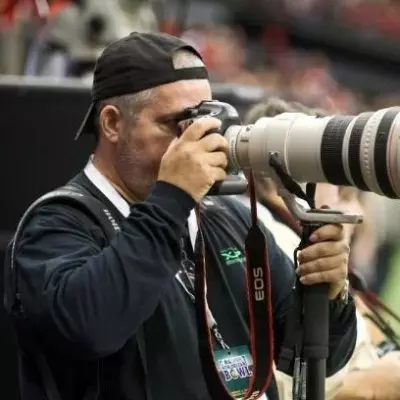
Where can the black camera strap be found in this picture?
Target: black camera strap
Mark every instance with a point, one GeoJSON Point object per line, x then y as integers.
{"type": "Point", "coordinates": [260, 311]}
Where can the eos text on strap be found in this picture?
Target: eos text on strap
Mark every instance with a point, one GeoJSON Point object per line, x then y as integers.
{"type": "Point", "coordinates": [237, 372]}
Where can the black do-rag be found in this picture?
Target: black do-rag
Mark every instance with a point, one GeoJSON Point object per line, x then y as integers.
{"type": "Point", "coordinates": [134, 63]}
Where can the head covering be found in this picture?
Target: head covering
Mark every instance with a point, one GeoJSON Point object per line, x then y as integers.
{"type": "Point", "coordinates": [134, 63]}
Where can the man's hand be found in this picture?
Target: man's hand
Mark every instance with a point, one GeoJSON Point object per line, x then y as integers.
{"type": "Point", "coordinates": [379, 382]}
{"type": "Point", "coordinates": [326, 260]}
{"type": "Point", "coordinates": [385, 376]}
{"type": "Point", "coordinates": [194, 162]}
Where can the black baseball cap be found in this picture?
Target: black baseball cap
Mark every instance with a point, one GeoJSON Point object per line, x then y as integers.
{"type": "Point", "coordinates": [134, 63]}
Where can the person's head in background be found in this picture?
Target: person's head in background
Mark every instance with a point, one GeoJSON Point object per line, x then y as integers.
{"type": "Point", "coordinates": [343, 198]}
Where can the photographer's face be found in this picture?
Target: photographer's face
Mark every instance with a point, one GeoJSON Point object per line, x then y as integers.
{"type": "Point", "coordinates": [143, 142]}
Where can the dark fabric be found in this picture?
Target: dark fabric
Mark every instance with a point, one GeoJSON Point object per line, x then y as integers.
{"type": "Point", "coordinates": [85, 304]}
{"type": "Point", "coordinates": [134, 63]}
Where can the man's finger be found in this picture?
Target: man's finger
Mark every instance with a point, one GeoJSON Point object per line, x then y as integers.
{"type": "Point", "coordinates": [323, 249]}
{"type": "Point", "coordinates": [338, 262]}
{"type": "Point", "coordinates": [334, 276]}
{"type": "Point", "coordinates": [198, 128]}
{"type": "Point", "coordinates": [328, 232]}
{"type": "Point", "coordinates": [216, 159]}
{"type": "Point", "coordinates": [219, 174]}
{"type": "Point", "coordinates": [213, 142]}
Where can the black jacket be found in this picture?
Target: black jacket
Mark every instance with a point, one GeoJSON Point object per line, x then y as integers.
{"type": "Point", "coordinates": [85, 303]}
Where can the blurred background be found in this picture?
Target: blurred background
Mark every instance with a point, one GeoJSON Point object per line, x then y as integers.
{"type": "Point", "coordinates": [339, 55]}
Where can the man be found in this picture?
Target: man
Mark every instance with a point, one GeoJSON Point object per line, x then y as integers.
{"type": "Point", "coordinates": [365, 376]}
{"type": "Point", "coordinates": [86, 302]}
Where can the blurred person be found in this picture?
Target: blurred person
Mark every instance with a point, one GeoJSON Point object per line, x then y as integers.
{"type": "Point", "coordinates": [86, 303]}
{"type": "Point", "coordinates": [384, 261]}
{"type": "Point", "coordinates": [226, 57]}
{"type": "Point", "coordinates": [365, 376]}
{"type": "Point", "coordinates": [75, 35]}
{"type": "Point", "coordinates": [312, 83]}
{"type": "Point", "coordinates": [11, 10]}
{"type": "Point", "coordinates": [18, 19]}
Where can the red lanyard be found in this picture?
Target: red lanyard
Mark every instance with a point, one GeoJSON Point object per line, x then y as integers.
{"type": "Point", "coordinates": [260, 311]}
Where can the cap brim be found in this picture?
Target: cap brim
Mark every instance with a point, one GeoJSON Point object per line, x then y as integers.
{"type": "Point", "coordinates": [87, 125]}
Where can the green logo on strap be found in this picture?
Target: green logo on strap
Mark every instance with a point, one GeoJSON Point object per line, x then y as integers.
{"type": "Point", "coordinates": [232, 255]}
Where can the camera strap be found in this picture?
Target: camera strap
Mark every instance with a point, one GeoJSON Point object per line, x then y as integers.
{"type": "Point", "coordinates": [260, 312]}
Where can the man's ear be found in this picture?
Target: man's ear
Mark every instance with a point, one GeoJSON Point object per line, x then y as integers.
{"type": "Point", "coordinates": [111, 123]}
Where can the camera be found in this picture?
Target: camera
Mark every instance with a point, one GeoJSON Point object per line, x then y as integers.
{"type": "Point", "coordinates": [361, 151]}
